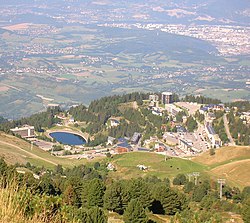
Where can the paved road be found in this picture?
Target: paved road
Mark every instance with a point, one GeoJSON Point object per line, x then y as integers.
{"type": "Point", "coordinates": [31, 154]}
{"type": "Point", "coordinates": [232, 143]}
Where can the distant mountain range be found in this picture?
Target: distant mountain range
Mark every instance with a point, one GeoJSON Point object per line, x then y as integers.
{"type": "Point", "coordinates": [172, 11]}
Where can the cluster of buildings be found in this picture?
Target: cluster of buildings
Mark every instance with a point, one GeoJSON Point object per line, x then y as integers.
{"type": "Point", "coordinates": [212, 107]}
{"type": "Point", "coordinates": [189, 143]}
{"type": "Point", "coordinates": [229, 40]}
{"type": "Point", "coordinates": [245, 116]}
{"type": "Point", "coordinates": [213, 137]}
{"type": "Point", "coordinates": [125, 144]}
{"type": "Point", "coordinates": [204, 138]}
{"type": "Point", "coordinates": [167, 104]}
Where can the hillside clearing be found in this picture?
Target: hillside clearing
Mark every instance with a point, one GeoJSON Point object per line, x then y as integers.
{"type": "Point", "coordinates": [236, 172]}
{"type": "Point", "coordinates": [15, 150]}
{"type": "Point", "coordinates": [127, 165]}
{"type": "Point", "coordinates": [224, 155]}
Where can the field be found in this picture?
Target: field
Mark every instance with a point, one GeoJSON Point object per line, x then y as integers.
{"type": "Point", "coordinates": [127, 165]}
{"type": "Point", "coordinates": [227, 95]}
{"type": "Point", "coordinates": [231, 163]}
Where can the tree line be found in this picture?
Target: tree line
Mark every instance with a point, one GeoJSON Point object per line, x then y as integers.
{"type": "Point", "coordinates": [200, 99]}
{"type": "Point", "coordinates": [40, 120]}
{"type": "Point", "coordinates": [239, 131]}
{"type": "Point", "coordinates": [86, 194]}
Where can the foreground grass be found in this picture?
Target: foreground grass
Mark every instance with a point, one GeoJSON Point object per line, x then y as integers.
{"type": "Point", "coordinates": [14, 203]}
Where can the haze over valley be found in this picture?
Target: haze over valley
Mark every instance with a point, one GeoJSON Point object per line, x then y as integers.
{"type": "Point", "coordinates": [71, 52]}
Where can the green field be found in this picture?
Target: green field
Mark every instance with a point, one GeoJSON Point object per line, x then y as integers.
{"type": "Point", "coordinates": [157, 166]}
{"type": "Point", "coordinates": [231, 163]}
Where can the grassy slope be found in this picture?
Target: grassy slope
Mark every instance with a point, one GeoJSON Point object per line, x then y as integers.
{"type": "Point", "coordinates": [38, 157]}
{"type": "Point", "coordinates": [231, 163]}
{"type": "Point", "coordinates": [224, 155]}
{"type": "Point", "coordinates": [126, 165]}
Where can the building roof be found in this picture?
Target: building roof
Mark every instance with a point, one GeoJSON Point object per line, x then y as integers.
{"type": "Point", "coordinates": [135, 136]}
{"type": "Point", "coordinates": [114, 120]}
{"type": "Point", "coordinates": [186, 143]}
{"type": "Point", "coordinates": [167, 93]}
{"type": "Point", "coordinates": [180, 129]}
{"type": "Point", "coordinates": [124, 145]}
{"type": "Point", "coordinates": [210, 129]}
{"type": "Point", "coordinates": [122, 140]}
{"type": "Point", "coordinates": [143, 149]}
{"type": "Point", "coordinates": [25, 127]}
{"type": "Point", "coordinates": [204, 108]}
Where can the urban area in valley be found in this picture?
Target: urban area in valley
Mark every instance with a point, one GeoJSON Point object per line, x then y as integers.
{"type": "Point", "coordinates": [71, 55]}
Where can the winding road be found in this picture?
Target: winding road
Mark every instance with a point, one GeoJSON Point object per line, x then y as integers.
{"type": "Point", "coordinates": [232, 143]}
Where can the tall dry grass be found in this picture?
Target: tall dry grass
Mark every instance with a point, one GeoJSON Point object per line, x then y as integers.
{"type": "Point", "coordinates": [14, 203]}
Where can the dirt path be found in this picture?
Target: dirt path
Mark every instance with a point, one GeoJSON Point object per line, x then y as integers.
{"type": "Point", "coordinates": [31, 154]}
{"type": "Point", "coordinates": [232, 143]}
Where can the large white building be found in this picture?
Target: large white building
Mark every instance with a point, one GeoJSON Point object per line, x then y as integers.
{"type": "Point", "coordinates": [172, 109]}
{"type": "Point", "coordinates": [213, 137]}
{"type": "Point", "coordinates": [154, 97]}
{"type": "Point", "coordinates": [25, 131]}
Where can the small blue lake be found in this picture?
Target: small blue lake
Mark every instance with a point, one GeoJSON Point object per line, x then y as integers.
{"type": "Point", "coordinates": [68, 138]}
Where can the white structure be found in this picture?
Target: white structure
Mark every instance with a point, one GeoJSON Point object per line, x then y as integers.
{"type": "Point", "coordinates": [114, 122]}
{"type": "Point", "coordinates": [142, 167]}
{"type": "Point", "coordinates": [156, 112]}
{"type": "Point", "coordinates": [213, 137]}
{"type": "Point", "coordinates": [172, 109]}
{"type": "Point", "coordinates": [110, 141]}
{"type": "Point", "coordinates": [154, 97]}
{"type": "Point", "coordinates": [71, 120]}
{"type": "Point", "coordinates": [67, 147]}
{"type": "Point", "coordinates": [25, 132]}
{"type": "Point", "coordinates": [111, 167]}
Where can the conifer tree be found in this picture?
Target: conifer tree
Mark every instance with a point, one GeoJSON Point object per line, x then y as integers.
{"type": "Point", "coordinates": [135, 213]}
{"type": "Point", "coordinates": [113, 198]}
{"type": "Point", "coordinates": [96, 215]}
{"type": "Point", "coordinates": [95, 193]}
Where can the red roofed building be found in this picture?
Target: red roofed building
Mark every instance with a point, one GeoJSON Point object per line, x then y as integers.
{"type": "Point", "coordinates": [121, 150]}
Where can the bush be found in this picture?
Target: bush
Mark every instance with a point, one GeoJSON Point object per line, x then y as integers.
{"type": "Point", "coordinates": [180, 179]}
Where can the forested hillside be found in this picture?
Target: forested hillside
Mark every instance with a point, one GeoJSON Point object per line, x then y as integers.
{"type": "Point", "coordinates": [85, 194]}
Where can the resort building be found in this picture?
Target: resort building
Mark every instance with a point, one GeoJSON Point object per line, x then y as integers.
{"type": "Point", "coordinates": [213, 137]}
{"type": "Point", "coordinates": [25, 132]}
{"type": "Point", "coordinates": [154, 97]}
{"type": "Point", "coordinates": [166, 98]}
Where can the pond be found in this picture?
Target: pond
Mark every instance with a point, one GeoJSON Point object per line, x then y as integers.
{"type": "Point", "coordinates": [68, 138]}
